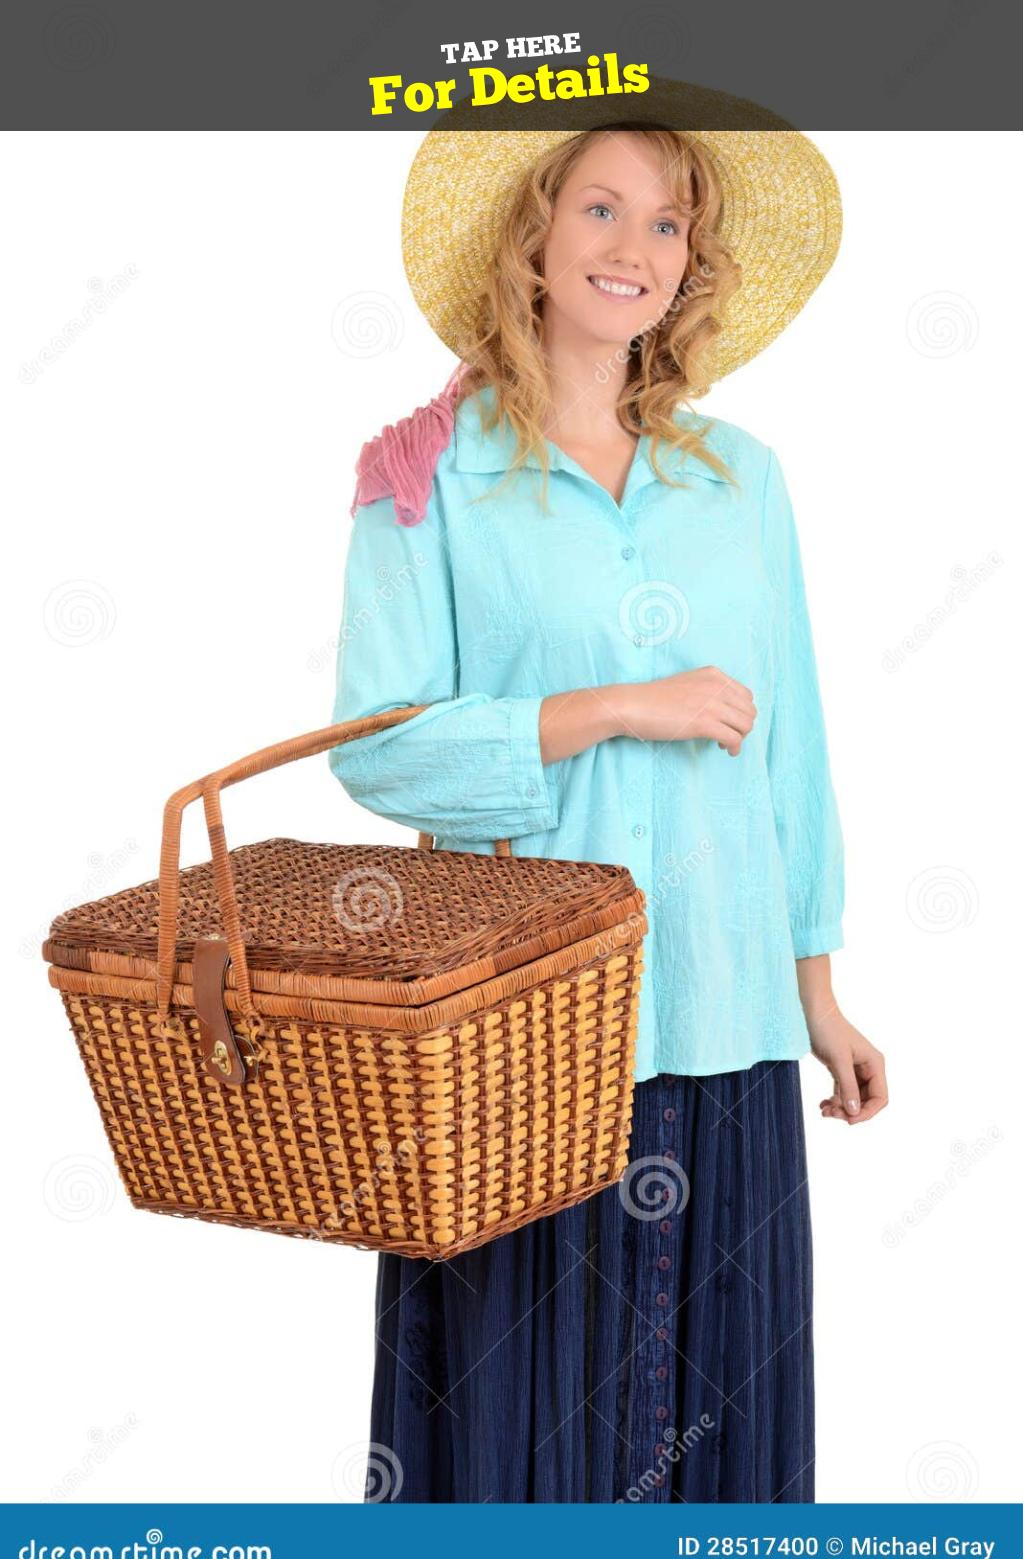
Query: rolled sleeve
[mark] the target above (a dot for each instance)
(814, 940)
(537, 783)
(469, 766)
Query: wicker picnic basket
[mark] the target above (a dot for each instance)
(398, 1048)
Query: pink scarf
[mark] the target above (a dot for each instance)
(401, 460)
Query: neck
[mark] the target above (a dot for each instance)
(586, 379)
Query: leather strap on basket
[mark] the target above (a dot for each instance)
(209, 788)
(220, 1054)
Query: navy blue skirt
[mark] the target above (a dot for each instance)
(651, 1343)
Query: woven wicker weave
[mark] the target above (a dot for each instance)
(402, 1049)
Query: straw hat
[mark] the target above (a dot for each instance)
(781, 219)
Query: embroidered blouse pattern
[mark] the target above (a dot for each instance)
(491, 607)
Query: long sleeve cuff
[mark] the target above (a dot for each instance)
(468, 768)
(538, 789)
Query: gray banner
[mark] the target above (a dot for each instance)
(321, 64)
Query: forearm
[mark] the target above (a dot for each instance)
(570, 722)
(815, 993)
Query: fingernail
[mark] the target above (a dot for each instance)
(852, 1105)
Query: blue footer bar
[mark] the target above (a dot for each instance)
(679, 1531)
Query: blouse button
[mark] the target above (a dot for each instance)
(658, 1480)
(661, 1299)
(665, 1225)
(661, 1413)
(628, 552)
(661, 1372)
(530, 790)
(669, 1114)
(638, 639)
(670, 1153)
(664, 1262)
(659, 1448)
(639, 830)
(662, 1333)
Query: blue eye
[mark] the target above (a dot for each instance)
(664, 221)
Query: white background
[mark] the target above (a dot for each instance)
(179, 474)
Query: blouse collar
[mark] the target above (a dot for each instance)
(477, 451)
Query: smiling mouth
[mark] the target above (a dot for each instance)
(614, 289)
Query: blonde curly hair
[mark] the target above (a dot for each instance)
(666, 364)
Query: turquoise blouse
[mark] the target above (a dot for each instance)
(481, 611)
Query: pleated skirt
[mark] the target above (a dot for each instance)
(653, 1343)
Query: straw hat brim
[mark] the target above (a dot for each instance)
(781, 219)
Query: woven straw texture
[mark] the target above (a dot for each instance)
(781, 218)
(438, 1046)
(423, 1145)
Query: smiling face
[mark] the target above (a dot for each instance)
(616, 252)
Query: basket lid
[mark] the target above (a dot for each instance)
(414, 920)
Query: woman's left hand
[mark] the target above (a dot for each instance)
(861, 1088)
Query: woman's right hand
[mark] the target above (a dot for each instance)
(705, 703)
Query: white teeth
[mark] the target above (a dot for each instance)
(616, 287)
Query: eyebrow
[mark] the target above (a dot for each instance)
(668, 206)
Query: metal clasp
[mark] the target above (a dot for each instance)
(220, 1057)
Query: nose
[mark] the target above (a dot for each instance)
(626, 246)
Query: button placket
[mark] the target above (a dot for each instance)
(665, 1275)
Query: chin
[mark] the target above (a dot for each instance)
(616, 335)
(608, 328)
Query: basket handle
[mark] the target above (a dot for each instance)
(209, 787)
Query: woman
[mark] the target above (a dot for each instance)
(623, 674)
